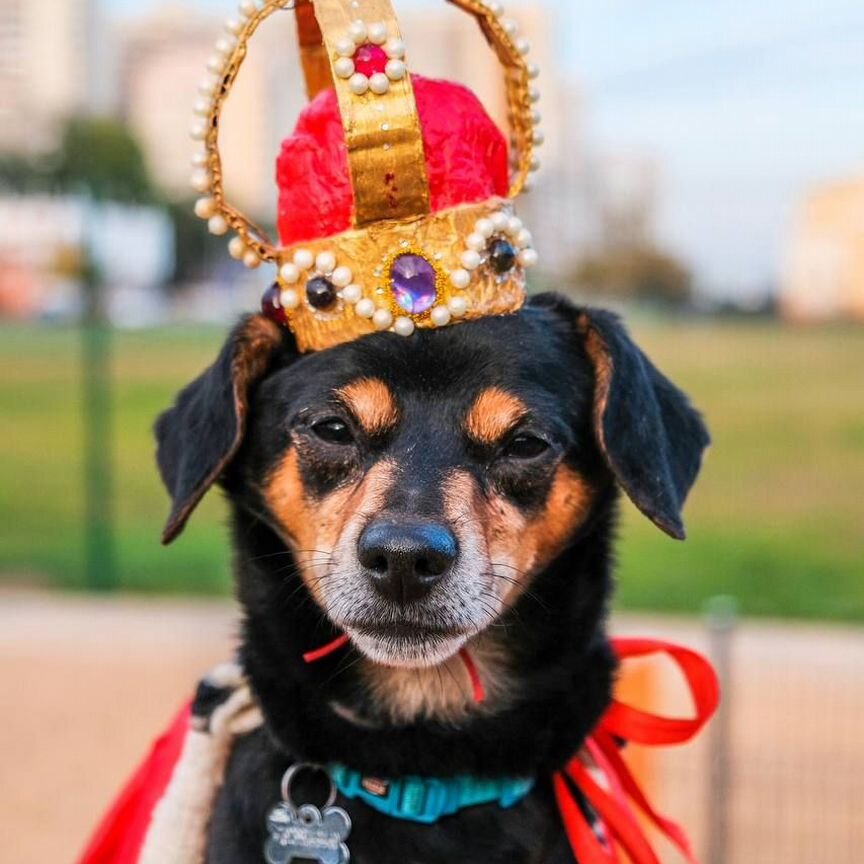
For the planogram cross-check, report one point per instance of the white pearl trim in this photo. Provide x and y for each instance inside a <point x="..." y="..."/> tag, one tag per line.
<point x="345" y="67"/>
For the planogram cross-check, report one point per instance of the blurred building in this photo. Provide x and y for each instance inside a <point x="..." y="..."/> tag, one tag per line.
<point x="825" y="273"/>
<point x="49" y="53"/>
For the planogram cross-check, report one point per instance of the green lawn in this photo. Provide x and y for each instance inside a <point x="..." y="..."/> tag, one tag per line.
<point x="777" y="518"/>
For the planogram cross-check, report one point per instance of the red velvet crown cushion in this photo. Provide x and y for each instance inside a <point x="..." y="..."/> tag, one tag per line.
<point x="466" y="159"/>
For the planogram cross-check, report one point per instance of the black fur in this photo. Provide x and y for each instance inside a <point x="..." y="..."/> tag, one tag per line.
<point x="562" y="664"/>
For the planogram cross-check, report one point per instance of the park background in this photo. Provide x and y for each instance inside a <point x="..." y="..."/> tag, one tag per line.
<point x="703" y="173"/>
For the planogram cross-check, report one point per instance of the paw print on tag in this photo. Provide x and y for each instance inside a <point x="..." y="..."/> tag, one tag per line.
<point x="307" y="833"/>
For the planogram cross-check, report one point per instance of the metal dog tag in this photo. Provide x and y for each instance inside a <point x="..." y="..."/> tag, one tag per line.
<point x="306" y="832"/>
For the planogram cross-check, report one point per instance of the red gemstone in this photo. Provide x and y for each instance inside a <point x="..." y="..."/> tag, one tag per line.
<point x="271" y="305"/>
<point x="369" y="59"/>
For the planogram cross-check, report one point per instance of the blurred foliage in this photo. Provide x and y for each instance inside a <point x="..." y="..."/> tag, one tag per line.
<point x="102" y="156"/>
<point x="776" y="518"/>
<point x="637" y="273"/>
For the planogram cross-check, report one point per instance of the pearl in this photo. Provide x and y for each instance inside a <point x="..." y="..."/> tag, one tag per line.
<point x="404" y="326"/>
<point x="198" y="132"/>
<point x="536" y="117"/>
<point x="511" y="28"/>
<point x="217" y="225"/>
<point x="251" y="260"/>
<point x="497" y="9"/>
<point x="215" y="63"/>
<point x="357" y="31"/>
<point x="396" y="70"/>
<point x="205" y="208"/>
<point x="352" y="294"/>
<point x="208" y="85"/>
<point x="395" y="48"/>
<point x="471" y="260"/>
<point x="203" y="107"/>
<point x="232" y="25"/>
<point x="477" y="242"/>
<point x="440" y="316"/>
<point x="200" y="181"/>
<point x="458" y="306"/>
<point x="524" y="238"/>
<point x="325" y="262"/>
<point x="528" y="257"/>
<point x="290" y="298"/>
<point x="365" y="308"/>
<point x="461" y="279"/>
<point x="237" y="248"/>
<point x="359" y="84"/>
<point x="533" y="71"/>
<point x="342" y="277"/>
<point x="539" y="137"/>
<point x="514" y="225"/>
<point x="225" y="45"/>
<point x="485" y="227"/>
<point x="379" y="83"/>
<point x="535" y="164"/>
<point x="344" y="67"/>
<point x="500" y="221"/>
<point x="304" y="259"/>
<point x="534" y="94"/>
<point x="377" y="33"/>
<point x="248" y="8"/>
<point x="382" y="319"/>
<point x="523" y="46"/>
<point x="289" y="273"/>
<point x="345" y="47"/>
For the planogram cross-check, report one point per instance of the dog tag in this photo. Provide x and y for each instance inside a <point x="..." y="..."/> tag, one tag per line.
<point x="305" y="832"/>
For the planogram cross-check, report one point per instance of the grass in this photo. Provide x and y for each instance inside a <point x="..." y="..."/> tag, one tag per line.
<point x="777" y="518"/>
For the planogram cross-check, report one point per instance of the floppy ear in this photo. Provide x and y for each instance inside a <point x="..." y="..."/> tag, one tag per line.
<point x="201" y="434"/>
<point x="650" y="436"/>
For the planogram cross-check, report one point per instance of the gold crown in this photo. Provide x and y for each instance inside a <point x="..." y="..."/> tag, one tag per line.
<point x="400" y="266"/>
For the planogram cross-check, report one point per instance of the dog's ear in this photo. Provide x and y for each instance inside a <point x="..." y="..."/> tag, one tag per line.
<point x="650" y="436"/>
<point x="200" y="435"/>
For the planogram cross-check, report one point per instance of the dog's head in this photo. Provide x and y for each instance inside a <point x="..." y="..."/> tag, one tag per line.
<point x="422" y="483"/>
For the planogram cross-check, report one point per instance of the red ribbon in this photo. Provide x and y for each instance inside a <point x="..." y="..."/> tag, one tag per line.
<point x="612" y="800"/>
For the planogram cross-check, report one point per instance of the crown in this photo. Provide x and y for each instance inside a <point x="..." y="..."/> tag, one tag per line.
<point x="396" y="193"/>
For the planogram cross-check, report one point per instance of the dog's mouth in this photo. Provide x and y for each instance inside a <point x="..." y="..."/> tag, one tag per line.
<point x="405" y="643"/>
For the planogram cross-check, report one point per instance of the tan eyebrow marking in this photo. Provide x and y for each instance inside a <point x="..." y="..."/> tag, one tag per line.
<point x="494" y="413"/>
<point x="371" y="403"/>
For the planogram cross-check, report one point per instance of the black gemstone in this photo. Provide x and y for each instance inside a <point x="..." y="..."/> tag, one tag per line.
<point x="320" y="292"/>
<point x="502" y="256"/>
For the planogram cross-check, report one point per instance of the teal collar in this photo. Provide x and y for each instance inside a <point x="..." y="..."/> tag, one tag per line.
<point x="427" y="799"/>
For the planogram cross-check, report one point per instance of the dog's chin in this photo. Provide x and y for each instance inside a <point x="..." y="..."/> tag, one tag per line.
<point x="410" y="652"/>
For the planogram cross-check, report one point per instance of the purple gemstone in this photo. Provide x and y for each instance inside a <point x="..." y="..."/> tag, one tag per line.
<point x="414" y="283"/>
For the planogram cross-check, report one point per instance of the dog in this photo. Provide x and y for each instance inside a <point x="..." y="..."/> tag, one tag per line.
<point x="455" y="490"/>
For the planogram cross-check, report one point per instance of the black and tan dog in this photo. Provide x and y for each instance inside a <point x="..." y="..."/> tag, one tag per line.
<point x="455" y="489"/>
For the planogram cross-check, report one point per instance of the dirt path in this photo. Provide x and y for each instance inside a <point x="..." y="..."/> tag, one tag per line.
<point x="86" y="684"/>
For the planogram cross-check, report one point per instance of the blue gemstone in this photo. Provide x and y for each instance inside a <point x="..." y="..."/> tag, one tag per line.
<point x="414" y="283"/>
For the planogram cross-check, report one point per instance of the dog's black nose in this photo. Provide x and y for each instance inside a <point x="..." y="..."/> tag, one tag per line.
<point x="405" y="560"/>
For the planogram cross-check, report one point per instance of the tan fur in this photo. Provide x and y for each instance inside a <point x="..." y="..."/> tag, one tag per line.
<point x="372" y="404"/>
<point x="493" y="414"/>
<point x="314" y="527"/>
<point x="601" y="360"/>
<point x="441" y="692"/>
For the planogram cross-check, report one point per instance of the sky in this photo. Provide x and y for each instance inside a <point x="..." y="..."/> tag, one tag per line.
<point x="742" y="105"/>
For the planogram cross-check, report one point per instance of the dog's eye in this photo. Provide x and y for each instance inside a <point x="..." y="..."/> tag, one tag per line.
<point x="525" y="446"/>
<point x="333" y="431"/>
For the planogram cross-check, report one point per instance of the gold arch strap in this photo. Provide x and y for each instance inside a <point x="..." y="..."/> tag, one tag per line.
<point x="388" y="166"/>
<point x="385" y="144"/>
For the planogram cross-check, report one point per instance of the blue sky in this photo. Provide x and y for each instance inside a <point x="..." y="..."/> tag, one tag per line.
<point x="743" y="105"/>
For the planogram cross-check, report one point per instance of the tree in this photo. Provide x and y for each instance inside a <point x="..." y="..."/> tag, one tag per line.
<point x="102" y="156"/>
<point x="637" y="273"/>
